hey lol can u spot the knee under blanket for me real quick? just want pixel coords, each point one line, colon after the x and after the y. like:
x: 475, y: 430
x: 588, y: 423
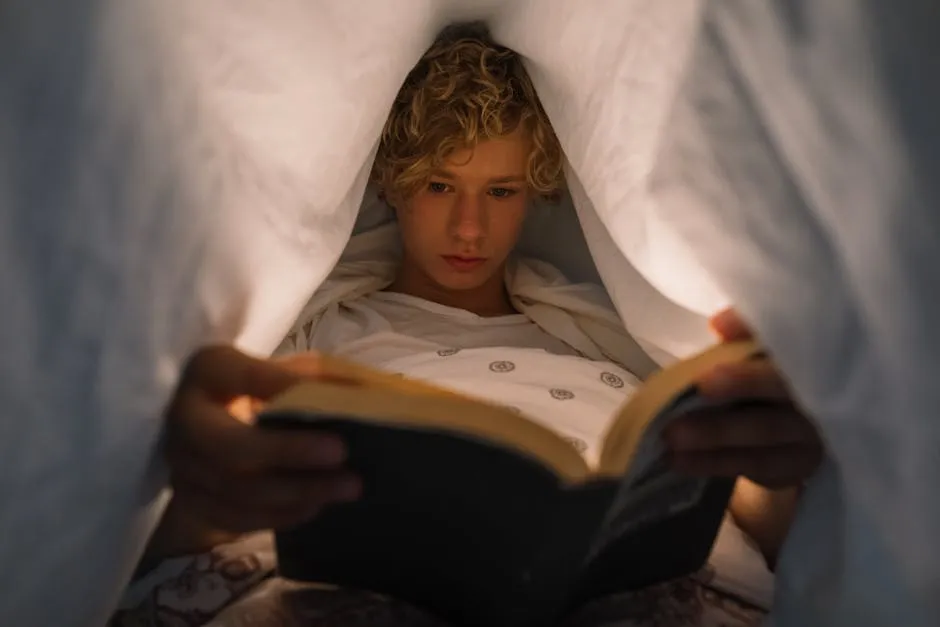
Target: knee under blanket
x: 178, y: 172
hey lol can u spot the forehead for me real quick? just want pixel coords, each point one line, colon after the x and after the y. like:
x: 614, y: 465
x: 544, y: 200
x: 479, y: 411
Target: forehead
x: 505, y: 156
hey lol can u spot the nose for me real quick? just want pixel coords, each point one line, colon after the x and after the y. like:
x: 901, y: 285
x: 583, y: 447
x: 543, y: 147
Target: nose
x: 468, y: 219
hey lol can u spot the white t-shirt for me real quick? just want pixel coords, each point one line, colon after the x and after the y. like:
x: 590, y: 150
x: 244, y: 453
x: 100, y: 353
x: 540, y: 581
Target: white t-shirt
x: 383, y: 326
x: 506, y: 359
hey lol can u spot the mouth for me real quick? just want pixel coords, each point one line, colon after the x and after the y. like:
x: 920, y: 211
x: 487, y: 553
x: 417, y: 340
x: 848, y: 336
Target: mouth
x: 463, y: 264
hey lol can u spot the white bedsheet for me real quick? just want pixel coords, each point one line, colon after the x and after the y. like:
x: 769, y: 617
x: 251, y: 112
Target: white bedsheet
x: 802, y: 164
x: 176, y: 172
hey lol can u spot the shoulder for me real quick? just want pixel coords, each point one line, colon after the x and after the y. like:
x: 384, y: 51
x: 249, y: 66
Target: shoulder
x: 346, y: 322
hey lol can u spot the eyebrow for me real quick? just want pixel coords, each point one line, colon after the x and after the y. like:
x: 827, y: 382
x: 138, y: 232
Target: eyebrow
x: 515, y: 178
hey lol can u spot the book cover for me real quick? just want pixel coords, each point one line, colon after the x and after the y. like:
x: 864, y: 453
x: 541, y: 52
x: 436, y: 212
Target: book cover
x: 487, y: 518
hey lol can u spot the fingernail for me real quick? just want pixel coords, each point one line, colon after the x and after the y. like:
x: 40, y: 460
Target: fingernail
x: 722, y: 319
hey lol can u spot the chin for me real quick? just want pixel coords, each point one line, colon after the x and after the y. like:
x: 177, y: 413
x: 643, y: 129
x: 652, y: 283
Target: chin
x: 462, y: 282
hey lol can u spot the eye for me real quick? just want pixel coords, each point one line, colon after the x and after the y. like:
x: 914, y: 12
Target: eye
x: 503, y: 192
x: 436, y: 187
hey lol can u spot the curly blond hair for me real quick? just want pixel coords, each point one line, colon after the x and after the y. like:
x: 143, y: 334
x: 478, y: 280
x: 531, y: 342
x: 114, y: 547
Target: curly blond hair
x: 464, y: 90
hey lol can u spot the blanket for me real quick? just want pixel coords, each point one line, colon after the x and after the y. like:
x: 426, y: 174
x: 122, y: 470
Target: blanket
x: 806, y: 127
x: 234, y: 586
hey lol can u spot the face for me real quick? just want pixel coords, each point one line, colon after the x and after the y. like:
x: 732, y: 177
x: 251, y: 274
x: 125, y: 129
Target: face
x: 459, y: 230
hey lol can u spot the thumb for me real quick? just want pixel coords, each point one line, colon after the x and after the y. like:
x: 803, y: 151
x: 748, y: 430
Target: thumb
x: 225, y: 373
x: 729, y: 326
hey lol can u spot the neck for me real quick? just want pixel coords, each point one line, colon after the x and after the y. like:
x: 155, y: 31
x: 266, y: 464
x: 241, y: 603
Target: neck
x: 488, y: 300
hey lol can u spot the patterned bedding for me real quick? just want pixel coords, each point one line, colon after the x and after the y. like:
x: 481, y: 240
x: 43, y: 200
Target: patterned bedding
x: 234, y: 585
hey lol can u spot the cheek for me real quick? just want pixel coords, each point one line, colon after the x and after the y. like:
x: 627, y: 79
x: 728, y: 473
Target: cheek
x: 419, y: 227
x: 508, y: 225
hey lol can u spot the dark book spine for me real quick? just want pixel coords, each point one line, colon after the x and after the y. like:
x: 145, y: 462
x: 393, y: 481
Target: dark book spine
x: 656, y: 548
x: 548, y: 586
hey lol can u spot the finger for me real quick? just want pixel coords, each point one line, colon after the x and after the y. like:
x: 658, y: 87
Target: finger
x: 284, y: 490
x: 307, y: 364
x: 729, y: 326
x: 747, y: 427
x: 225, y: 373
x: 312, y: 365
x: 773, y: 468
x: 232, y: 517
x: 199, y: 426
x: 756, y: 379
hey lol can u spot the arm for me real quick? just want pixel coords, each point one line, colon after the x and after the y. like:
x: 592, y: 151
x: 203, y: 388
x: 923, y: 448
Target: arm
x: 769, y: 445
x: 181, y: 533
x: 765, y: 515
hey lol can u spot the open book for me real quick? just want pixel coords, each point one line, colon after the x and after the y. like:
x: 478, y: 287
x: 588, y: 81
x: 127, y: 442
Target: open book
x: 488, y: 518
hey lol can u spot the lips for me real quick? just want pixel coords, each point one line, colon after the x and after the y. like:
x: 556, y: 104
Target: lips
x: 464, y: 264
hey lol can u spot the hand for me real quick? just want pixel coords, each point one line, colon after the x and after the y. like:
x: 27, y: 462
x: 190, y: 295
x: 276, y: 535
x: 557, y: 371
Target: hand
x: 773, y: 444
x: 233, y: 476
